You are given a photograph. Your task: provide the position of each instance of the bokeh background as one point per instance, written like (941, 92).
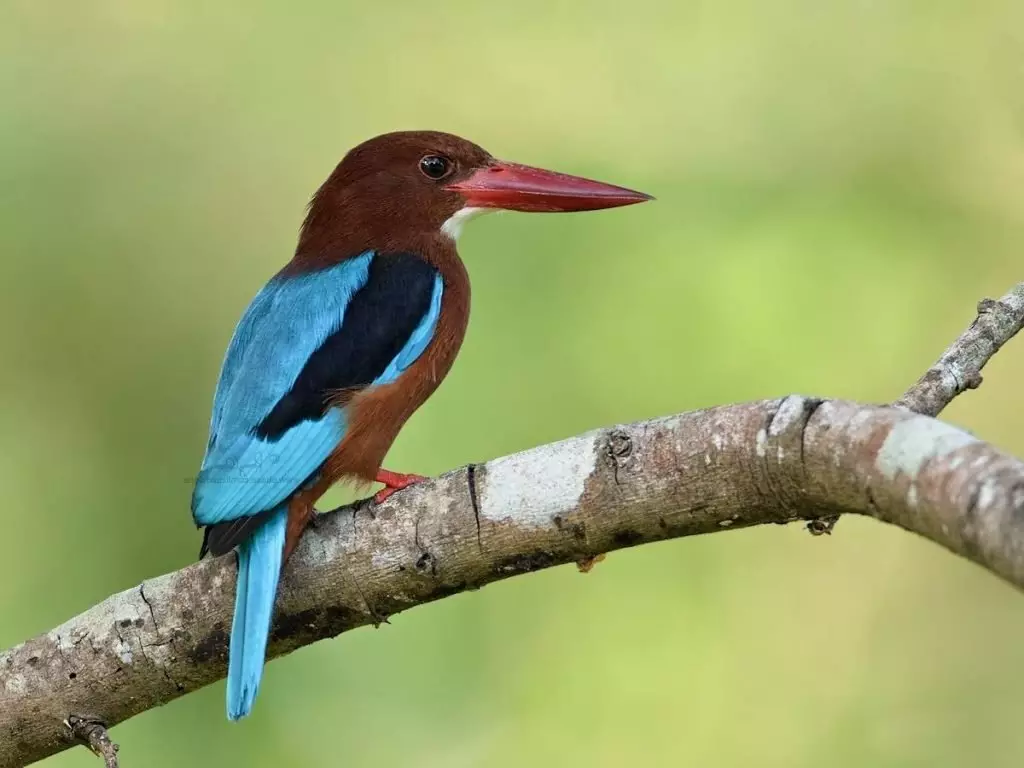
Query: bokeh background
(838, 184)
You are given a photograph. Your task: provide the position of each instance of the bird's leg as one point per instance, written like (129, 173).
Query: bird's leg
(300, 514)
(393, 481)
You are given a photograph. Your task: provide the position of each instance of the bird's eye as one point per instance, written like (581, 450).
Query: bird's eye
(435, 166)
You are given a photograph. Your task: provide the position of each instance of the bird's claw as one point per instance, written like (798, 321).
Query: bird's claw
(394, 482)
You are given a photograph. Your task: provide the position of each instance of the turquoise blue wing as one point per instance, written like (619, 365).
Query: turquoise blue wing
(357, 324)
(244, 473)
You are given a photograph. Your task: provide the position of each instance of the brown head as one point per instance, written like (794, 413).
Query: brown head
(400, 190)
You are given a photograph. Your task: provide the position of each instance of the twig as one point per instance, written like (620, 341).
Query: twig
(92, 732)
(959, 368)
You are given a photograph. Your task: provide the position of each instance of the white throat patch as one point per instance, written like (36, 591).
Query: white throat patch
(453, 227)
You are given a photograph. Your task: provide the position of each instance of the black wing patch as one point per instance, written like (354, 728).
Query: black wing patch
(379, 320)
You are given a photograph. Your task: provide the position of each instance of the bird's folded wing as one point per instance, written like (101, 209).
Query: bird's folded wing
(355, 324)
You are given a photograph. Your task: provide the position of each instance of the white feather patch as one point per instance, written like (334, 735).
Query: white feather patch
(453, 227)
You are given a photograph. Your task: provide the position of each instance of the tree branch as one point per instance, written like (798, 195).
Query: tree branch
(773, 461)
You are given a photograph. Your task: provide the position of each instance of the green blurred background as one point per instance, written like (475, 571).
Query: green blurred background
(838, 184)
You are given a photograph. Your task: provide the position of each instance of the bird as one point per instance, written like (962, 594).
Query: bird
(342, 345)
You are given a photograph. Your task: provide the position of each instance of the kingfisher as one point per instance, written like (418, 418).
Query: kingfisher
(342, 345)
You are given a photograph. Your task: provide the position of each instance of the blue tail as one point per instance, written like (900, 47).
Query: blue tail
(259, 567)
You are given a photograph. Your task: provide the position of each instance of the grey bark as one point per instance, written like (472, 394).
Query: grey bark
(773, 461)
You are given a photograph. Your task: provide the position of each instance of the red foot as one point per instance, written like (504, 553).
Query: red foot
(394, 482)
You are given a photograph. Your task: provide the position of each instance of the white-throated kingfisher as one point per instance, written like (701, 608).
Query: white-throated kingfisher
(339, 348)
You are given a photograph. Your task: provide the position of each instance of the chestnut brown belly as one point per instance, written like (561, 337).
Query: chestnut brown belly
(375, 417)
